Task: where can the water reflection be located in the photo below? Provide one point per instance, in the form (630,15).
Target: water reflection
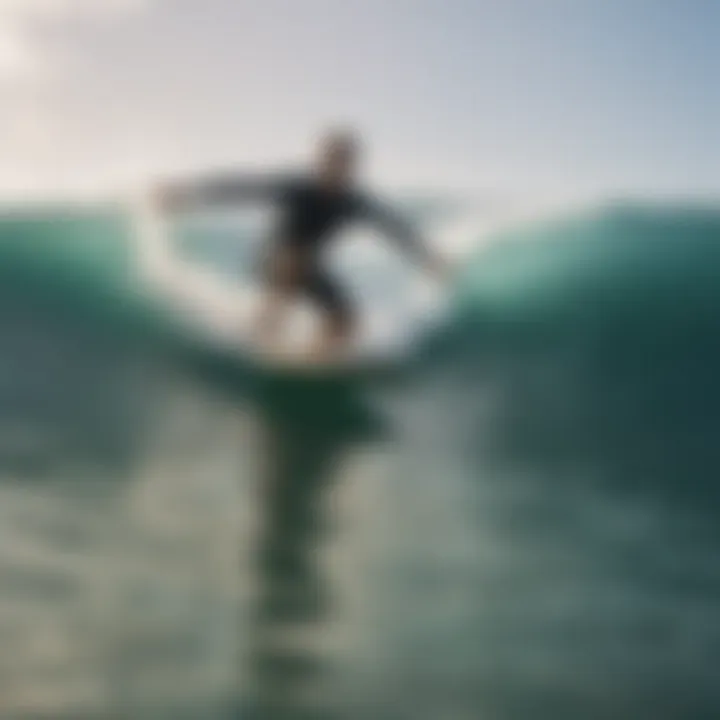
(185,539)
(309,433)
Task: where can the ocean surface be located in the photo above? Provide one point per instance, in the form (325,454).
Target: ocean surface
(519,520)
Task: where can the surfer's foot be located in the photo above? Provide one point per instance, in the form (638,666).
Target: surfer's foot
(326,353)
(269,322)
(333,344)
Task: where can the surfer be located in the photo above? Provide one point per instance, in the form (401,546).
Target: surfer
(313,207)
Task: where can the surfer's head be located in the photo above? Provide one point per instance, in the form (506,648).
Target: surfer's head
(338,155)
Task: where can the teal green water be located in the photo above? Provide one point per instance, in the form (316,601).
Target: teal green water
(519,522)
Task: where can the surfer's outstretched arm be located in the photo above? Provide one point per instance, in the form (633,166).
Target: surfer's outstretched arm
(403,234)
(219,190)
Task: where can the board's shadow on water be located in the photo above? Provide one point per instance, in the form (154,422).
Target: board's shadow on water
(290,680)
(309,427)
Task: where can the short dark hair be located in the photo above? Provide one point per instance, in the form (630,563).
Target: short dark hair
(343,138)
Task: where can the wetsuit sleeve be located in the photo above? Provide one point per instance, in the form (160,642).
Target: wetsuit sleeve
(397,228)
(229,189)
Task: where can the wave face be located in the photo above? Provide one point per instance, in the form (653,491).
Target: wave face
(615,310)
(533,499)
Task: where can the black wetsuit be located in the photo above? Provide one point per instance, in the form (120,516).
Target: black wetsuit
(310,216)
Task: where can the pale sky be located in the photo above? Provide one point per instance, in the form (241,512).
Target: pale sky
(588,96)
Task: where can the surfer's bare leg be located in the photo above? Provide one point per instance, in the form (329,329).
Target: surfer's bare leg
(270,319)
(334,340)
(280,291)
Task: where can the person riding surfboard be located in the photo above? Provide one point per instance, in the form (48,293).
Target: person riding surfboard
(313,207)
